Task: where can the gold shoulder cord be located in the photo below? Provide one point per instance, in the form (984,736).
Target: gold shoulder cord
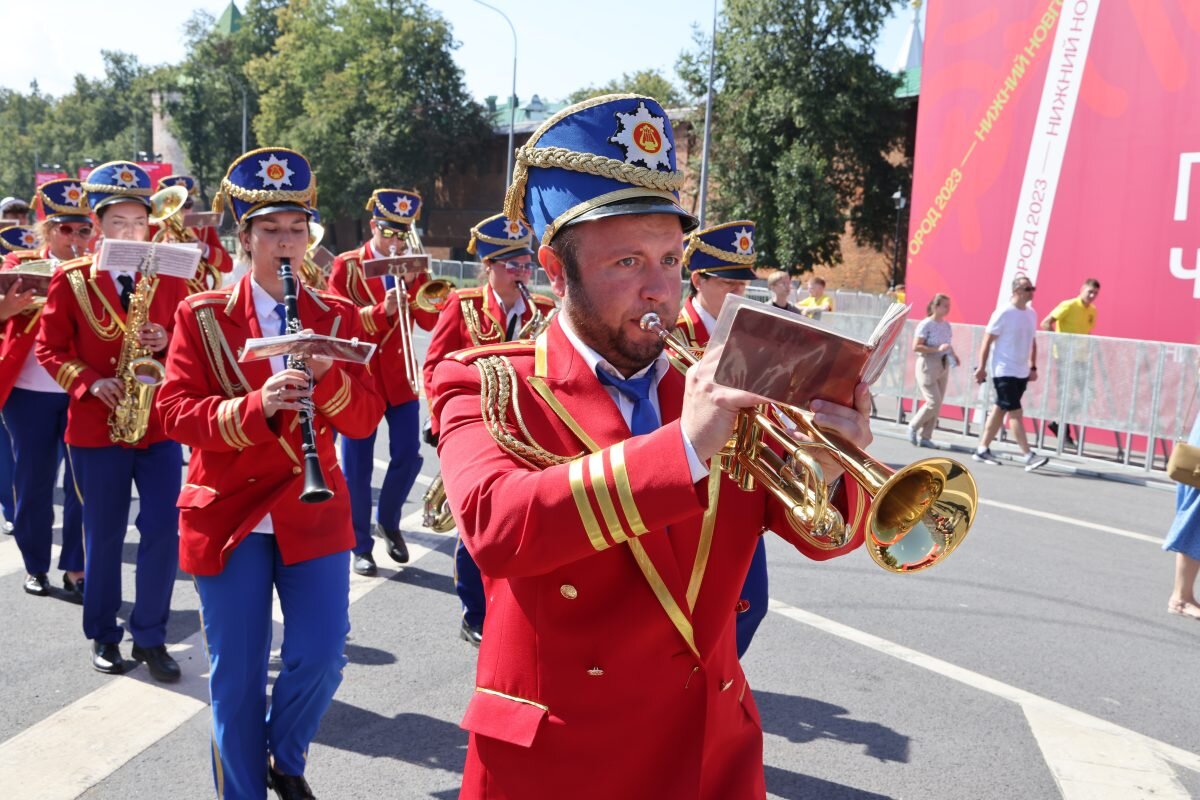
(497,388)
(356,279)
(474,328)
(213,341)
(106,332)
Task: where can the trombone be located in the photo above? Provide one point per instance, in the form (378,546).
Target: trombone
(918,514)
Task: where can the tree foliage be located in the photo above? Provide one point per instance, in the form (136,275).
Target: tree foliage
(803,124)
(370,93)
(649,82)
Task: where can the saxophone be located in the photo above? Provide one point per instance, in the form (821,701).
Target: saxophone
(435,513)
(140,374)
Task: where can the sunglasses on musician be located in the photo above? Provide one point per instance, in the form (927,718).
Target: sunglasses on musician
(392,233)
(516,266)
(81,231)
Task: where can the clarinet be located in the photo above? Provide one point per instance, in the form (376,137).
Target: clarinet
(315,489)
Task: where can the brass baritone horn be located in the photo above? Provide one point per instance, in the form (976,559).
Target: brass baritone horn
(435,513)
(918,514)
(166,211)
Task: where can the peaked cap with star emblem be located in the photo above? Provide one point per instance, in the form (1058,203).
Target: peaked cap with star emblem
(399,206)
(186,181)
(16,237)
(115,182)
(499,237)
(602,157)
(266,181)
(726,251)
(62,200)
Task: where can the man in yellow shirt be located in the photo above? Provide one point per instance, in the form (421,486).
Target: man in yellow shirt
(1077,315)
(817,301)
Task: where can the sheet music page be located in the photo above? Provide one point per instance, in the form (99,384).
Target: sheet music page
(396,265)
(174,260)
(307,345)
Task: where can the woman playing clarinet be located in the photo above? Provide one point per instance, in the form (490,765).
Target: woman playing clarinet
(244,528)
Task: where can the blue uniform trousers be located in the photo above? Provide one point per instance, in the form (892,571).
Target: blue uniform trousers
(469,585)
(105,477)
(235,608)
(404,463)
(754,592)
(8,499)
(36,422)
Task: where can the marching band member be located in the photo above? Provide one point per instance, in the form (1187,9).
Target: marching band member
(82,341)
(393,213)
(13,211)
(245,531)
(720,262)
(35,407)
(12,238)
(612,553)
(214,258)
(487,314)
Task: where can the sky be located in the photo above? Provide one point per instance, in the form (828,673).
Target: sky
(630,35)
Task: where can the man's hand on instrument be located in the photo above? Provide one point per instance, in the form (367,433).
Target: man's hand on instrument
(851,424)
(709,410)
(15,301)
(285,391)
(108,390)
(391,301)
(154,336)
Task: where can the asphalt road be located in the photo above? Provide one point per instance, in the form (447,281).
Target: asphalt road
(1037,662)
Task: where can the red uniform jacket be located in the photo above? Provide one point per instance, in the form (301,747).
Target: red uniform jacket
(690,327)
(244,466)
(212,250)
(458,329)
(346,280)
(80,341)
(19,330)
(608,666)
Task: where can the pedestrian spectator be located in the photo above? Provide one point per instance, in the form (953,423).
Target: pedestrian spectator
(1078,316)
(817,301)
(897,293)
(935,358)
(13,211)
(1010,341)
(1183,539)
(780,285)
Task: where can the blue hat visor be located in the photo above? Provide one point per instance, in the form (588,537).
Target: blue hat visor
(735,272)
(68,218)
(641,205)
(121,198)
(276,208)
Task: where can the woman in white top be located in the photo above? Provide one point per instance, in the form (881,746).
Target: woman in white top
(935,357)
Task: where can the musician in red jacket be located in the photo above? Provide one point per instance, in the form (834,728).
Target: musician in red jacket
(81,340)
(582,474)
(244,529)
(35,407)
(13,238)
(393,213)
(491,313)
(215,260)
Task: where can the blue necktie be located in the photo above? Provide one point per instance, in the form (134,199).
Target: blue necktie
(282,313)
(644,419)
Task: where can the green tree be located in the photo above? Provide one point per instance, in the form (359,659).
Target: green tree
(804,124)
(370,93)
(649,82)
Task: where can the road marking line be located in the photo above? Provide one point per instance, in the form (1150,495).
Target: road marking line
(54,759)
(1095,733)
(421,478)
(1095,526)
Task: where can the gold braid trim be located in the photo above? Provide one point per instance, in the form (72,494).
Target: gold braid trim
(498,387)
(130,191)
(266,195)
(475,328)
(212,337)
(696,243)
(107,333)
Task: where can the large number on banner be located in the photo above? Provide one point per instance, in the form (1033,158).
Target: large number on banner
(1187,161)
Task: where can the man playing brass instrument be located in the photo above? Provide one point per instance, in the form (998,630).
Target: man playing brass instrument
(582,469)
(393,213)
(82,338)
(215,260)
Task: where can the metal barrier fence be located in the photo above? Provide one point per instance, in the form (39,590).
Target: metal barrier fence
(1134,394)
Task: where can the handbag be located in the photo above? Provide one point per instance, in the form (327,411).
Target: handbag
(1184,464)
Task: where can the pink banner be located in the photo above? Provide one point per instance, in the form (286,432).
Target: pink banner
(1058,139)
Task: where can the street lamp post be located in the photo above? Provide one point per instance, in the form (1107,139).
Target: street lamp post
(512,105)
(900,201)
(708,104)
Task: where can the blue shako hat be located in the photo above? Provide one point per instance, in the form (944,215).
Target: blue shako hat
(726,251)
(115,182)
(63,200)
(394,207)
(16,237)
(499,237)
(186,181)
(605,156)
(265,181)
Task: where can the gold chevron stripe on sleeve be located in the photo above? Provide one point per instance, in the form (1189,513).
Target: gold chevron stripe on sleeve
(624,490)
(340,400)
(368,321)
(604,498)
(230,424)
(68,372)
(584,505)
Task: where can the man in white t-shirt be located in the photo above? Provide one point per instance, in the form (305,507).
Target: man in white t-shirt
(1010,341)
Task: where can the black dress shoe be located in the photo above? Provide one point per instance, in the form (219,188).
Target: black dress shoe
(74,589)
(364,564)
(106,658)
(159,662)
(37,584)
(6,527)
(397,548)
(289,787)
(471,633)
